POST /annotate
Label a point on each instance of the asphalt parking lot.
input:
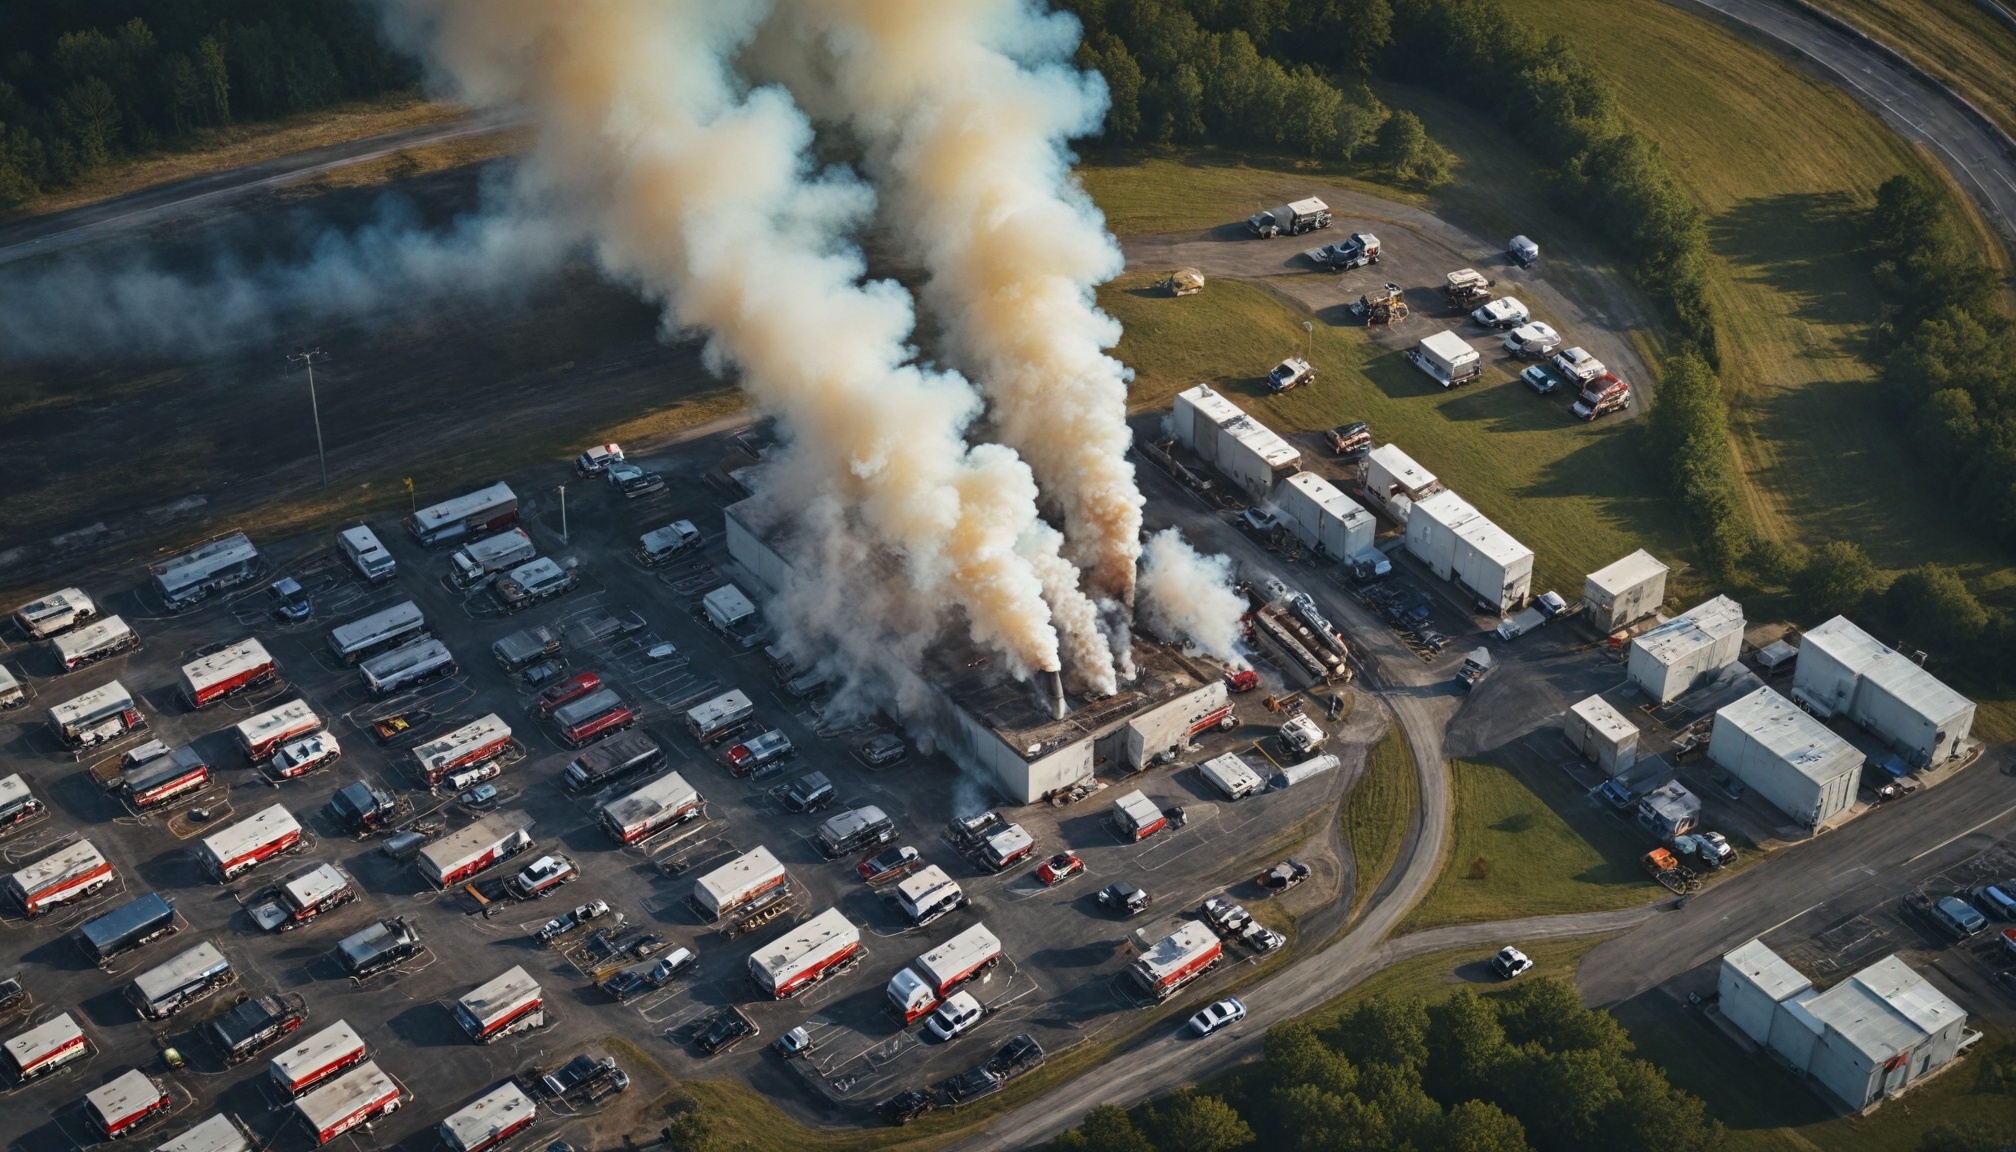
(1061, 982)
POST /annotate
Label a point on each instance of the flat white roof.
(1213, 404)
(1627, 573)
(1328, 497)
(1885, 1009)
(1784, 729)
(1494, 542)
(1598, 714)
(1918, 689)
(1447, 509)
(1262, 441)
(1448, 345)
(1849, 645)
(1767, 970)
(1402, 467)
(1692, 630)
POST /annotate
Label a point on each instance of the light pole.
(307, 357)
(563, 514)
(1310, 328)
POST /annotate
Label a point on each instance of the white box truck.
(65, 876)
(367, 554)
(249, 843)
(166, 989)
(495, 1117)
(358, 1096)
(1231, 775)
(46, 1047)
(717, 718)
(918, 989)
(472, 564)
(460, 855)
(474, 743)
(1177, 959)
(236, 668)
(99, 716)
(55, 613)
(404, 667)
(821, 947)
(751, 879)
(126, 1104)
(482, 511)
(260, 735)
(317, 1059)
(93, 642)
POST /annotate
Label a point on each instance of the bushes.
(1690, 432)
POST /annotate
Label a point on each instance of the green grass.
(1958, 41)
(1143, 193)
(1539, 846)
(1377, 813)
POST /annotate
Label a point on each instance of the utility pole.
(563, 514)
(1311, 330)
(307, 356)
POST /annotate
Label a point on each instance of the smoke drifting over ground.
(1186, 593)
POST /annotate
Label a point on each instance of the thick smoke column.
(1186, 593)
(700, 192)
(966, 107)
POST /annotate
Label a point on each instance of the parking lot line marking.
(1960, 835)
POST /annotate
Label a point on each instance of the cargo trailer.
(360, 1095)
(717, 718)
(459, 855)
(1006, 847)
(472, 564)
(17, 803)
(378, 947)
(65, 876)
(214, 567)
(741, 884)
(1395, 482)
(600, 713)
(477, 513)
(249, 843)
(381, 631)
(166, 989)
(317, 1058)
(1432, 526)
(165, 778)
(140, 921)
(46, 1047)
(822, 946)
(926, 895)
(1231, 775)
(367, 554)
(252, 1024)
(55, 613)
(260, 735)
(727, 609)
(93, 642)
(1225, 437)
(1492, 566)
(509, 1004)
(916, 990)
(622, 756)
(1448, 359)
(99, 716)
(495, 1117)
(473, 743)
(1135, 817)
(217, 1134)
(237, 668)
(302, 897)
(1324, 518)
(1177, 959)
(126, 1104)
(659, 805)
(403, 667)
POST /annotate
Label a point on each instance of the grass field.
(1377, 814)
(1958, 41)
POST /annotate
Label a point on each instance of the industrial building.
(1395, 483)
(1843, 670)
(1030, 739)
(1225, 437)
(1324, 518)
(1683, 653)
(1602, 734)
(1462, 545)
(1865, 1039)
(1625, 592)
(1788, 757)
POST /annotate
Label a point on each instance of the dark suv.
(808, 793)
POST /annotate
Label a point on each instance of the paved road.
(40, 235)
(1979, 156)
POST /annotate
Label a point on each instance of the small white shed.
(1673, 658)
(1602, 734)
(1625, 592)
(1790, 758)
(1754, 981)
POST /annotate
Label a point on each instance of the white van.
(367, 554)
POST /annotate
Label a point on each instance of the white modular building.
(1790, 758)
(1492, 566)
(1395, 483)
(1677, 656)
(1753, 982)
(1844, 670)
(1323, 517)
(1432, 527)
(1625, 592)
(1223, 436)
(1602, 734)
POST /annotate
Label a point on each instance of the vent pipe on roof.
(1054, 682)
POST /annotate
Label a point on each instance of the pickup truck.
(543, 877)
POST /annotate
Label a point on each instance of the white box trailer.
(727, 607)
(719, 716)
(250, 842)
(213, 567)
(217, 1134)
(1492, 566)
(260, 735)
(1626, 592)
(1602, 734)
(513, 1002)
(93, 642)
(1225, 437)
(495, 1117)
(1231, 775)
(1668, 661)
(63, 877)
(360, 1095)
(916, 990)
(1198, 414)
(126, 1103)
(1323, 517)
(46, 1047)
(481, 511)
(1786, 756)
(167, 988)
(99, 716)
(317, 1058)
(1431, 530)
(1136, 817)
(405, 666)
(383, 629)
(471, 564)
(57, 612)
(651, 809)
(1177, 959)
(233, 669)
(807, 954)
(1395, 482)
(460, 855)
(1448, 359)
(475, 742)
(17, 801)
(752, 876)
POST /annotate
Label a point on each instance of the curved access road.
(1978, 154)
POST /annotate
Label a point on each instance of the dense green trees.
(1532, 1071)
(84, 82)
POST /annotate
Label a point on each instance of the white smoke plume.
(966, 107)
(700, 192)
(1186, 593)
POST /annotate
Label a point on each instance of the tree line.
(84, 83)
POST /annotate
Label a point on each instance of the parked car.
(1504, 312)
(808, 793)
(888, 864)
(1541, 378)
(969, 1085)
(1510, 962)
(1059, 868)
(1018, 1055)
(883, 750)
(568, 921)
(1125, 899)
(905, 1106)
(1958, 916)
(728, 1029)
(543, 671)
(581, 1072)
(317, 751)
(959, 1012)
(1213, 1017)
(1349, 440)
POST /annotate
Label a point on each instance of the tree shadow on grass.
(1746, 1091)
(1803, 245)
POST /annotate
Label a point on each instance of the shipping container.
(718, 717)
(302, 897)
(472, 564)
(367, 554)
(166, 989)
(162, 779)
(511, 1003)
(260, 735)
(317, 1058)
(1786, 756)
(17, 803)
(65, 876)
(822, 946)
(55, 613)
(252, 841)
(1492, 566)
(381, 630)
(1324, 518)
(1231, 775)
(1625, 592)
(93, 642)
(1395, 483)
(141, 920)
(99, 716)
(751, 877)
(234, 669)
(1602, 734)
(459, 855)
(126, 1104)
(1432, 527)
(405, 666)
(473, 743)
(362, 1094)
(495, 1117)
(622, 756)
(600, 713)
(254, 1023)
(1668, 661)
(217, 1134)
(482, 511)
(916, 990)
(1177, 959)
(46, 1047)
(221, 564)
(659, 805)
(378, 947)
